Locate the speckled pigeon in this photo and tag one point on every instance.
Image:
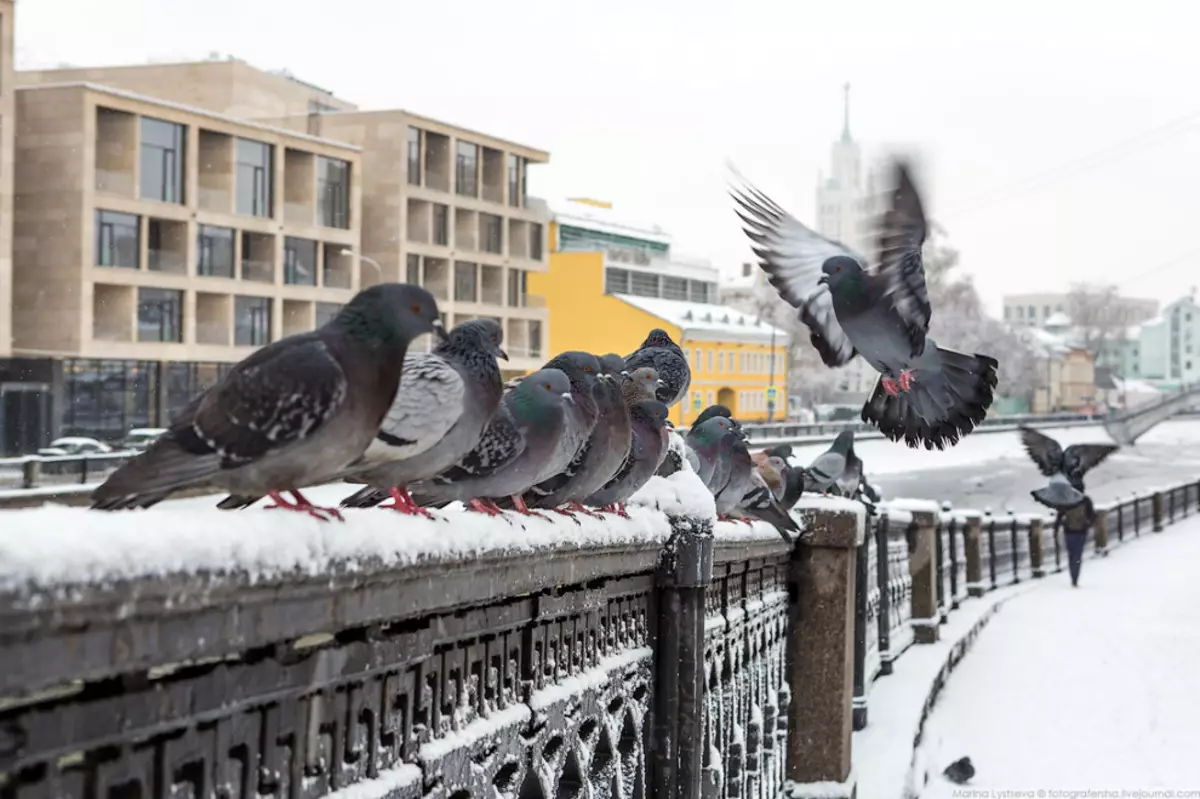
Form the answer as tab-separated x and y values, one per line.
648	445
445	401
515	446
293	414
660	352
640	384
926	395
830	464
598	460
762	501
1065	468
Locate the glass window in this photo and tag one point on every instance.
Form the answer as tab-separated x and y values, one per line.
720	361
464	281
535	242
535	338
160	315
616	281
643	285
162	158
441	224
116	239
252	321
255	174
710	367
466	169
514	180
414	156
326	311
333	192
698	291
675	288
516	288
214	251
490	228
412	271
104	399
299	262
524	178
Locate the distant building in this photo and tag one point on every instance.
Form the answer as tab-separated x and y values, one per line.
612	280
1170	345
1036	310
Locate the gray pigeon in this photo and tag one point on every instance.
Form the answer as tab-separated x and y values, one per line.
1065	468
926	395
829	465
640	384
720	410
665	356
295	413
515	446
445	401
847	482
648	445
760	503
740	475
598	460
704	441
796	480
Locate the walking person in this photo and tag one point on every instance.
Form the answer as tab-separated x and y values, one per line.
1075	525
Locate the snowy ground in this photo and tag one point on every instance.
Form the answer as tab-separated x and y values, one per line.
1084	689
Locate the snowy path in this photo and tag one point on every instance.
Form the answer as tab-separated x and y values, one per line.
1089	688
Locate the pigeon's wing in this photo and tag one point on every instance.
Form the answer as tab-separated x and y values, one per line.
827	467
429	402
1078	459
900	233
1045	451
276	397
792	255
502	443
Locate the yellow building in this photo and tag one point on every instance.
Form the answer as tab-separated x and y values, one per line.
611	282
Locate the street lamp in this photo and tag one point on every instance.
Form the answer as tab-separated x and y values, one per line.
368	259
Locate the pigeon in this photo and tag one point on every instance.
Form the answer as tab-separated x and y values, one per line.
516	444
925	395
601	455
773	470
677	453
704	441
445	401
960	771
848	481
762	500
829	465
719	410
1065	468
648	445
297	412
640	384
660	352
781	451
796	481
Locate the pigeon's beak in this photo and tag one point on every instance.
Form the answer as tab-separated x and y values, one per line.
624	373
439	329
660	382
501	354
568	398
823	280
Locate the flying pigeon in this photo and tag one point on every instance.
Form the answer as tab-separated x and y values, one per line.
660	352
1065	468
515	446
445	401
926	395
295	413
648	445
830	464
604	452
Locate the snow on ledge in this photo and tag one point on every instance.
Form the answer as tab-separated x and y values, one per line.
386	784
914	505
832	505
681	494
820	790
54	545
755	531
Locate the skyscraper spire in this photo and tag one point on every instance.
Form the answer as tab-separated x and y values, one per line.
846	113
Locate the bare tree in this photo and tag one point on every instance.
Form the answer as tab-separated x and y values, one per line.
1098	316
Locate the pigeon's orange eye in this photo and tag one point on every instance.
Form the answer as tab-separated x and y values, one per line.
415	308
837	268
549	387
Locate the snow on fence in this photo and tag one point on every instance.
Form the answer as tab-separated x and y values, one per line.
201	653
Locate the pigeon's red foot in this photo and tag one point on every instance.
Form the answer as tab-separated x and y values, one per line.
524	510
565	512
485	506
615	509
302	505
906	379
579	508
890	386
402	502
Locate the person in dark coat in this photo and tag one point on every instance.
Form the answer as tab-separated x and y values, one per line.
1075	525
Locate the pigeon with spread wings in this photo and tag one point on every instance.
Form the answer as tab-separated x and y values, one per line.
1064	467
926	395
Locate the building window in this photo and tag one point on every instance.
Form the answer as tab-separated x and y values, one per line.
517	287
524	182
491	227
616	281
254	176
1046	311
1006	312
333	192
464	281
535	242
535	338
643	285
414	156
412	269
1032	313
299	262
116	239
162	157
1020	312
721	361
466	169
160	315
710	367
441	224
698	291
325	312
675	288
252	321
214	251
514	181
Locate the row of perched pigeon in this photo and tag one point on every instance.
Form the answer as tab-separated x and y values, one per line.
347	402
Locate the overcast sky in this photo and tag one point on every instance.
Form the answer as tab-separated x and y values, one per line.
640	103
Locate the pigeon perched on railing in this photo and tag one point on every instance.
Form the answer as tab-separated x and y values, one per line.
297	412
831	464
648	445
851	477
704	442
515	447
1065	468
925	395
639	384
445	401
666	357
762	501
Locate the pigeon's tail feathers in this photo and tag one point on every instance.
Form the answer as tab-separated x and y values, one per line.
237	502
777	517
950	395
1058	495
147	479
367	497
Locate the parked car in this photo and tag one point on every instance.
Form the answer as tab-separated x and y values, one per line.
74	445
141	437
